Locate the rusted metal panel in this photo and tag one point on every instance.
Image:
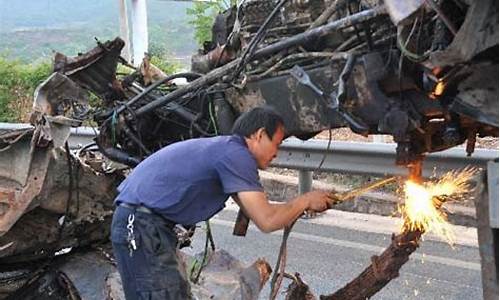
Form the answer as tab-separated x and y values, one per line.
95	70
15	157
303	111
38	191
58	94
24	194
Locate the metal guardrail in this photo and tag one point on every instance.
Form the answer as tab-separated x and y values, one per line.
80	136
370	158
342	157
375	159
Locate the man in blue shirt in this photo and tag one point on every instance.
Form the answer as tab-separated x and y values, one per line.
188	182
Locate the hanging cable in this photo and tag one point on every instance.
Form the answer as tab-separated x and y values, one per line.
252	46
197	266
212	119
403	45
279	268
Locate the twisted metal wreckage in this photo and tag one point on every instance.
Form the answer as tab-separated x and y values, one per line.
424	72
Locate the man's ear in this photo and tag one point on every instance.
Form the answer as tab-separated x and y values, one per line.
260	133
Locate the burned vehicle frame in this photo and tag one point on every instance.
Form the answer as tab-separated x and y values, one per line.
430	84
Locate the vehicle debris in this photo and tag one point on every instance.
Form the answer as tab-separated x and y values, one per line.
363	72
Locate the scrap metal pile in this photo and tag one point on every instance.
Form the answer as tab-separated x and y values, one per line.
424	72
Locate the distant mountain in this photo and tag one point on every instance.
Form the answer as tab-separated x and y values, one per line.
33	29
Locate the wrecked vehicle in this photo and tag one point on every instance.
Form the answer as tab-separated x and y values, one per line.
430	81
424	73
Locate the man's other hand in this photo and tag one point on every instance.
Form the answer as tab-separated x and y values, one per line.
317	201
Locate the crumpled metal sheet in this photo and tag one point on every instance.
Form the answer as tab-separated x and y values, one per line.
399	11
478	33
34	185
25	164
57	94
478	94
16	196
95	70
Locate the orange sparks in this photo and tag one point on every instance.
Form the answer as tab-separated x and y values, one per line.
439	89
421	210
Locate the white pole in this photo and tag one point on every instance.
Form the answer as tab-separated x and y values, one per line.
139	30
124	31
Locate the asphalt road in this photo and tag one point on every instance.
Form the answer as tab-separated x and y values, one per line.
332	249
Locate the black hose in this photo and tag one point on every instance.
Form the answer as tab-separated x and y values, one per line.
223	113
187	75
118	155
299	39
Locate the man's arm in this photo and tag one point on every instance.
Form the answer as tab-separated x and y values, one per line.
273	216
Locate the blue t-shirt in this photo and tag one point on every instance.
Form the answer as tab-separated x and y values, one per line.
190	181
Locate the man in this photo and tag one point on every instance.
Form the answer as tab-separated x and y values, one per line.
188	182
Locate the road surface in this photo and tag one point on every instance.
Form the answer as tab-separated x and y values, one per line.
330	250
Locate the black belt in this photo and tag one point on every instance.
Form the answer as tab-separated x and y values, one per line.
140	208
144	209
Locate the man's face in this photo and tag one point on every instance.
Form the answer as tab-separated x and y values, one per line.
266	148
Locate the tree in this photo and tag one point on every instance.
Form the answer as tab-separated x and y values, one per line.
202	16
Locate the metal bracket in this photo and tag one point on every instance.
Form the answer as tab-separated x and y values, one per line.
302	77
332	99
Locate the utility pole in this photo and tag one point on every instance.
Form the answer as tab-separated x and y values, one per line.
139	31
124	31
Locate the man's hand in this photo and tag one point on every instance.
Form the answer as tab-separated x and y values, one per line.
317	201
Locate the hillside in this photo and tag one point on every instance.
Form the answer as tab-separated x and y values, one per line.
30	30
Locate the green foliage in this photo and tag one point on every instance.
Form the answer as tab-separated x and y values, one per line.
202	16
19	80
17	84
164	64
161	58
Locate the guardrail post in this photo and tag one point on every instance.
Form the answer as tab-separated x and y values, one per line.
305	181
487	238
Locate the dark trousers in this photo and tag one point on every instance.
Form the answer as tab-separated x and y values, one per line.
152	271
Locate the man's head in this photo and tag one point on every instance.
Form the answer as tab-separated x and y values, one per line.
263	129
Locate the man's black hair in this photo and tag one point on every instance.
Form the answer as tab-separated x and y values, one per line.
259	117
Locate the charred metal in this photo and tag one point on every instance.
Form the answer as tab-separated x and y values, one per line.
365	72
